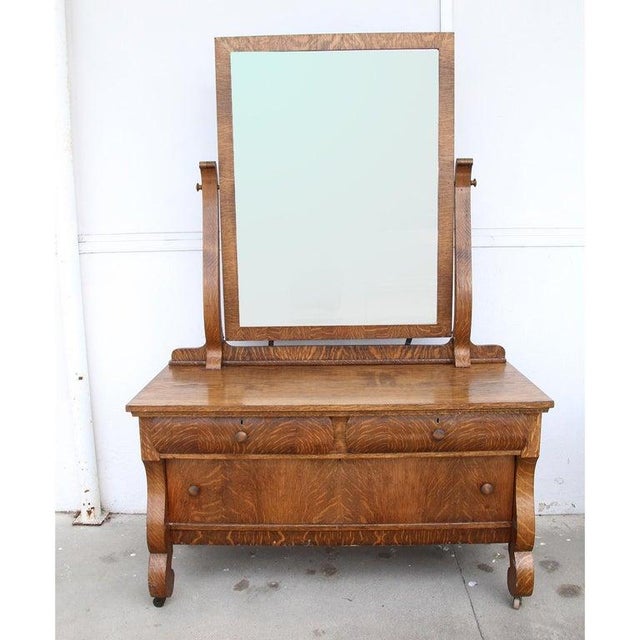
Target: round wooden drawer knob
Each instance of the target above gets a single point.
(241, 436)
(438, 434)
(486, 488)
(194, 490)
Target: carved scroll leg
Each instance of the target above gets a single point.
(521, 570)
(520, 575)
(161, 577)
(161, 574)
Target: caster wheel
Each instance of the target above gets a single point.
(158, 602)
(517, 602)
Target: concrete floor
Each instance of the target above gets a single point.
(223, 593)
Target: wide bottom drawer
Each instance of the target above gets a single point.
(375, 490)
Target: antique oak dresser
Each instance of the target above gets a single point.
(343, 427)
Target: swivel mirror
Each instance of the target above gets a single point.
(335, 161)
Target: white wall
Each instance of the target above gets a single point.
(143, 116)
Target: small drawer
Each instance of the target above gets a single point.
(448, 432)
(240, 435)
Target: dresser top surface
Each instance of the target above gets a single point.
(335, 390)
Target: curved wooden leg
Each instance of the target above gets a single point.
(161, 577)
(520, 575)
(161, 574)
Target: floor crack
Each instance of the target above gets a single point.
(466, 588)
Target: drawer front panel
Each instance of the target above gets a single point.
(341, 491)
(441, 489)
(252, 491)
(456, 432)
(236, 435)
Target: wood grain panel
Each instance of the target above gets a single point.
(337, 390)
(447, 432)
(450, 533)
(328, 354)
(374, 491)
(426, 490)
(253, 491)
(218, 435)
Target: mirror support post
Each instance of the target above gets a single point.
(211, 265)
(462, 253)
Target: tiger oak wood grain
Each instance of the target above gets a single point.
(451, 432)
(249, 491)
(429, 490)
(211, 266)
(520, 575)
(462, 227)
(160, 575)
(336, 390)
(441, 533)
(416, 490)
(319, 354)
(263, 435)
(340, 491)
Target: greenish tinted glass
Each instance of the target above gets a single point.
(336, 186)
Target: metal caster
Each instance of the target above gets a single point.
(158, 602)
(517, 602)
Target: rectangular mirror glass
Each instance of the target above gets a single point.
(336, 186)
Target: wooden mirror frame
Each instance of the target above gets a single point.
(224, 47)
(454, 238)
